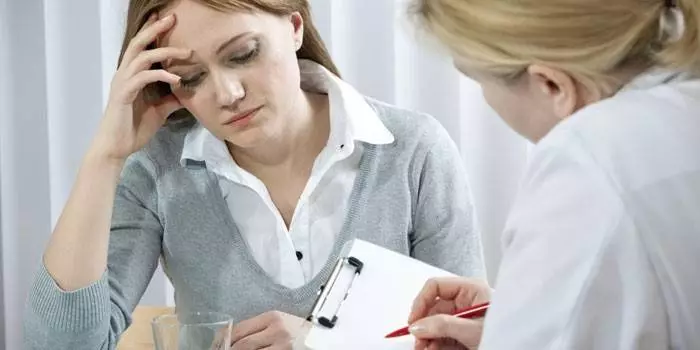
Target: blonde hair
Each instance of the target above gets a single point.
(312, 47)
(589, 39)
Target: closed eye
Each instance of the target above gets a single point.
(191, 82)
(248, 55)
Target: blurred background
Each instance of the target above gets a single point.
(57, 58)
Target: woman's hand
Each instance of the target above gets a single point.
(271, 330)
(130, 121)
(430, 321)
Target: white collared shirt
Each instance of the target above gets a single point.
(602, 248)
(322, 206)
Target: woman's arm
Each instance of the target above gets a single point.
(97, 307)
(74, 304)
(445, 233)
(77, 252)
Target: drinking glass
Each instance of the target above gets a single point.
(192, 331)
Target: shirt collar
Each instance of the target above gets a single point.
(351, 115)
(351, 119)
(654, 77)
(201, 145)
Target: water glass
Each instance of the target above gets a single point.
(192, 331)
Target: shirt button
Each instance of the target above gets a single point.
(299, 255)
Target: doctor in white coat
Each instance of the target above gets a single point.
(602, 248)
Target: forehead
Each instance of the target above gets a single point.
(202, 28)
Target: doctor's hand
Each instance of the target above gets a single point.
(271, 330)
(430, 321)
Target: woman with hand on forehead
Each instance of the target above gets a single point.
(247, 200)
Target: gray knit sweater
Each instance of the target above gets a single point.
(410, 196)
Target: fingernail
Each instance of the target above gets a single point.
(417, 329)
(167, 18)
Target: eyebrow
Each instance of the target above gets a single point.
(177, 63)
(230, 41)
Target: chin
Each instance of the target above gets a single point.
(248, 138)
(257, 133)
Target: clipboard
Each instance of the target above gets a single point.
(368, 294)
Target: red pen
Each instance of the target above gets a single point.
(474, 311)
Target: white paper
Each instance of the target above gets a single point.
(379, 301)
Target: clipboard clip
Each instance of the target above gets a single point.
(329, 293)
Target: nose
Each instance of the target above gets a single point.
(229, 89)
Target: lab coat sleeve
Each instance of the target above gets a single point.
(575, 274)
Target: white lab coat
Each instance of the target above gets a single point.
(602, 248)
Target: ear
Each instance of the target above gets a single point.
(557, 88)
(298, 24)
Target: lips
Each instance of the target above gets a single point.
(241, 116)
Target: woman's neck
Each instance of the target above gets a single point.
(298, 146)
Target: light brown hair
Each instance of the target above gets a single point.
(589, 39)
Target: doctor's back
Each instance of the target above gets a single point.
(602, 247)
(657, 166)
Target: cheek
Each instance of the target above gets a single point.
(274, 81)
(194, 102)
(514, 108)
(202, 108)
(505, 104)
(282, 67)
(265, 79)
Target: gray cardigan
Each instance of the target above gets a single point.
(410, 196)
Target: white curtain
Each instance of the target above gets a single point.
(56, 62)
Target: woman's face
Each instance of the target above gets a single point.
(534, 103)
(242, 80)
